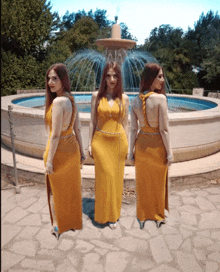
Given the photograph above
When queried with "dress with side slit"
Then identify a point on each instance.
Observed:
(151, 171)
(65, 182)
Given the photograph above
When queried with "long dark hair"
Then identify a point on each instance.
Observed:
(62, 72)
(118, 91)
(148, 76)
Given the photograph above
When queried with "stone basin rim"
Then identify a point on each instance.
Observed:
(174, 116)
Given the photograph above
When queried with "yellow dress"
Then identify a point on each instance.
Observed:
(151, 172)
(109, 148)
(65, 182)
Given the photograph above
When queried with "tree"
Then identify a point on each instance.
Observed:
(211, 66)
(204, 43)
(25, 25)
(99, 16)
(169, 47)
(125, 34)
(27, 33)
(82, 35)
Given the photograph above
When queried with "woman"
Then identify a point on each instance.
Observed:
(150, 150)
(108, 144)
(64, 153)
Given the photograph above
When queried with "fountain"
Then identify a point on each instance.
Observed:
(194, 134)
(85, 67)
(115, 46)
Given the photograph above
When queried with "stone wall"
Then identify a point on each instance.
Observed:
(214, 94)
(31, 91)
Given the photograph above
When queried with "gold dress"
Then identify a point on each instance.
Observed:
(151, 172)
(109, 148)
(65, 182)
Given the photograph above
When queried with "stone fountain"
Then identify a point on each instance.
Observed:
(188, 130)
(86, 66)
(116, 47)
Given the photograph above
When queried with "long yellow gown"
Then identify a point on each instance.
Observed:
(151, 172)
(65, 182)
(109, 148)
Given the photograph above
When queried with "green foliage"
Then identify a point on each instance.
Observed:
(204, 42)
(125, 34)
(33, 38)
(168, 46)
(28, 44)
(99, 16)
(212, 63)
(181, 54)
(25, 25)
(56, 52)
(82, 35)
(18, 73)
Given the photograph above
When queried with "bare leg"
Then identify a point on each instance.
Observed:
(53, 210)
(54, 229)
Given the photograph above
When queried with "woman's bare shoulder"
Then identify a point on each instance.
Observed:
(136, 102)
(94, 94)
(62, 102)
(125, 97)
(158, 97)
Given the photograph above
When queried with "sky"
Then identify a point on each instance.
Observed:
(141, 16)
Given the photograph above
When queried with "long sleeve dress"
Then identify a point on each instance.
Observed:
(109, 148)
(65, 182)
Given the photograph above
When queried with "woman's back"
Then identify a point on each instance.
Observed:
(152, 110)
(63, 106)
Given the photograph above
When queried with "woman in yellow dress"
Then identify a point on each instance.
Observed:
(64, 153)
(108, 144)
(150, 149)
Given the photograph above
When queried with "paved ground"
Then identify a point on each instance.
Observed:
(190, 241)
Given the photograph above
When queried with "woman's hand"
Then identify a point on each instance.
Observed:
(49, 168)
(83, 158)
(90, 151)
(169, 160)
(131, 159)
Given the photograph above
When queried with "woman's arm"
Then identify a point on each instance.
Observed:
(93, 121)
(57, 124)
(77, 130)
(125, 119)
(163, 127)
(133, 133)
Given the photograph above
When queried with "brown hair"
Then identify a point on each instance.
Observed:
(148, 76)
(103, 86)
(62, 72)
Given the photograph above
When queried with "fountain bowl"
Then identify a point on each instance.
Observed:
(114, 44)
(193, 134)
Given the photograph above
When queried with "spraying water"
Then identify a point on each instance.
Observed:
(86, 67)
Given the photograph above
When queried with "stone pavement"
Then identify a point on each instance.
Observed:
(190, 241)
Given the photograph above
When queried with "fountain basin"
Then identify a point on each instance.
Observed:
(193, 134)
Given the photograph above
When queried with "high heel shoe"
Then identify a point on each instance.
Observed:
(141, 224)
(55, 232)
(113, 225)
(159, 223)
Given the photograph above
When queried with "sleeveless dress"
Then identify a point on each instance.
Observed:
(109, 148)
(65, 182)
(151, 171)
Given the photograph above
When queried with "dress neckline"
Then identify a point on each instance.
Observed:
(109, 104)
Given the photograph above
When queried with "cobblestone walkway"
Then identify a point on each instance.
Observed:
(190, 241)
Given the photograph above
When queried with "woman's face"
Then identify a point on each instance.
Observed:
(54, 83)
(158, 82)
(111, 79)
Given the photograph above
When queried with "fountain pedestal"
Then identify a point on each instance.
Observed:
(115, 46)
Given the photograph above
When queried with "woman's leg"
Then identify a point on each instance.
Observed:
(53, 210)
